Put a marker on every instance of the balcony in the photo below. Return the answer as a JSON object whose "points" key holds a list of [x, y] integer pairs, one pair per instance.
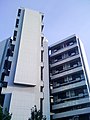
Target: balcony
{"points": [[67, 87], [68, 81], [72, 113], [57, 62], [70, 98], [66, 67], [64, 56], [58, 51], [70, 103], [61, 74]]}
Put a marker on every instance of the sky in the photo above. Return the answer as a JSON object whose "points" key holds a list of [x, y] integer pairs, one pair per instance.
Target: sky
{"points": [[62, 19]]}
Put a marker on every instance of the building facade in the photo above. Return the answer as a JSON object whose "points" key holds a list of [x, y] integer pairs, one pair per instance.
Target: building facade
{"points": [[24, 67], [69, 80]]}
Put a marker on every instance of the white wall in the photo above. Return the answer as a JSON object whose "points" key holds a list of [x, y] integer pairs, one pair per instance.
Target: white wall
{"points": [[28, 63], [46, 102]]}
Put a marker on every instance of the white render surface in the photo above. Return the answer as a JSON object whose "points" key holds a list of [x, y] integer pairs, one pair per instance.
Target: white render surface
{"points": [[28, 63], [46, 110], [21, 103]]}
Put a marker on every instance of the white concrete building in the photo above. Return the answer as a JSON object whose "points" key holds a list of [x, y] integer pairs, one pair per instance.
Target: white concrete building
{"points": [[27, 84]]}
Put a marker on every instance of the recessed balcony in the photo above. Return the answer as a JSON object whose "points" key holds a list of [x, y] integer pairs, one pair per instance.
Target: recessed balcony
{"points": [[72, 113], [70, 86], [64, 56], [58, 51], [71, 81], [61, 74], [70, 103], [57, 62], [66, 67], [70, 96]]}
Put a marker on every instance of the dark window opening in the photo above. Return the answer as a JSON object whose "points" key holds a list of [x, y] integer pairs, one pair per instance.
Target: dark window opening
{"points": [[42, 41], [7, 64], [41, 73], [9, 53], [2, 76], [19, 11], [6, 72], [42, 26], [42, 17], [12, 47], [17, 22], [10, 40], [41, 56], [41, 88], [41, 105], [14, 38], [4, 84], [15, 34], [2, 96]]}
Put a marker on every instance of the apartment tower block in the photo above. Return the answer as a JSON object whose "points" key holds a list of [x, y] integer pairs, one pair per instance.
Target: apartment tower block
{"points": [[69, 80]]}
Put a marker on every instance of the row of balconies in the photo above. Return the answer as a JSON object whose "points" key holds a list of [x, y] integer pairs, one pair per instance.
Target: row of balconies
{"points": [[70, 103], [73, 114], [64, 61], [81, 95], [67, 88], [70, 95], [66, 73], [63, 50], [64, 45], [72, 107], [66, 67], [74, 76], [58, 84], [63, 56]]}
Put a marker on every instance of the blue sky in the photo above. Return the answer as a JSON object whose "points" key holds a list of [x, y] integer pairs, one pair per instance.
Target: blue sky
{"points": [[62, 18]]}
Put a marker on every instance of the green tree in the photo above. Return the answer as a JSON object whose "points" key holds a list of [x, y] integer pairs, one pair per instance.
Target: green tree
{"points": [[1, 113], [36, 114], [6, 115]]}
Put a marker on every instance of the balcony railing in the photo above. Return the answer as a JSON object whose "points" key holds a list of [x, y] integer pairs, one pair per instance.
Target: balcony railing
{"points": [[64, 57], [80, 95], [68, 82], [63, 47], [65, 69]]}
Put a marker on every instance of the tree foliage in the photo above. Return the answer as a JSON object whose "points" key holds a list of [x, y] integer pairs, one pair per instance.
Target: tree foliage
{"points": [[36, 114], [6, 115]]}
